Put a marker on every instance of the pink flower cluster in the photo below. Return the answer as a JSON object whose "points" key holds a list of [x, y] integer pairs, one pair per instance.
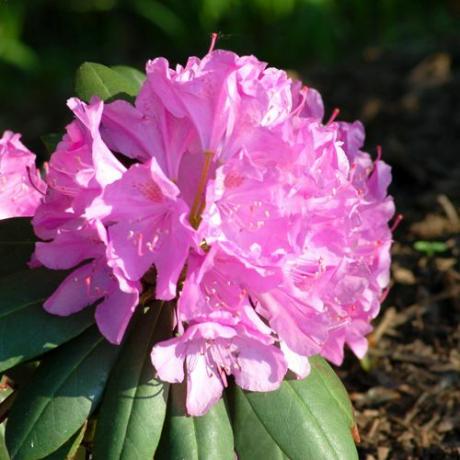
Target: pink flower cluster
{"points": [[222, 188]]}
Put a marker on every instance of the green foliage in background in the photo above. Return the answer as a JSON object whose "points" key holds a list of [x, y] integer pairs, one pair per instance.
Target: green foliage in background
{"points": [[42, 42], [286, 31]]}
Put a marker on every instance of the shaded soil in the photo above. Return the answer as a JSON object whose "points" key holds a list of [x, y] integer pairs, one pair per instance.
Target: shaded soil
{"points": [[406, 392]]}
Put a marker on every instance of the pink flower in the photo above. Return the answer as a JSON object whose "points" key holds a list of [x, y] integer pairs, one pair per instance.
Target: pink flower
{"points": [[214, 348], [69, 218], [21, 187], [222, 189], [243, 213], [149, 227], [221, 282], [79, 169]]}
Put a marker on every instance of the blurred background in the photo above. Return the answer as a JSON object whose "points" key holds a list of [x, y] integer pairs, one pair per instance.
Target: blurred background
{"points": [[394, 64], [42, 42]]}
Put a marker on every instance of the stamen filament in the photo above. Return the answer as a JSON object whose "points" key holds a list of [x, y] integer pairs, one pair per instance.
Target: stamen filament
{"points": [[198, 202], [335, 114], [396, 222]]}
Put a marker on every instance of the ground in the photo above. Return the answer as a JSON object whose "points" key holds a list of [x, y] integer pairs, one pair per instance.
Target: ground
{"points": [[406, 393]]}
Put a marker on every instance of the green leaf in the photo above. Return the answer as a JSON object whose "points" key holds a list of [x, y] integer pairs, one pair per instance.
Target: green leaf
{"points": [[252, 440], [70, 448], [134, 406], [4, 393], [208, 437], [136, 76], [305, 419], [26, 329], [99, 80], [431, 247], [61, 395], [3, 452], [51, 141], [16, 244]]}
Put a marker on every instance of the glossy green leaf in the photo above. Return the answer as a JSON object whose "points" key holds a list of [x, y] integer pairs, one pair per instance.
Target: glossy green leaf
{"points": [[136, 76], [208, 437], [305, 419], [99, 80], [26, 329], [134, 406], [70, 448], [60, 397], [3, 452], [252, 440], [16, 244]]}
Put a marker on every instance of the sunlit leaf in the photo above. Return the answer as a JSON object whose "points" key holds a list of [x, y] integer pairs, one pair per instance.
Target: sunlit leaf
{"points": [[131, 73], [99, 80], [208, 437], [305, 419], [134, 405]]}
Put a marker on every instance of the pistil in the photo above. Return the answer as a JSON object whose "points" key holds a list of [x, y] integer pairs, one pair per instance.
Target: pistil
{"points": [[199, 202]]}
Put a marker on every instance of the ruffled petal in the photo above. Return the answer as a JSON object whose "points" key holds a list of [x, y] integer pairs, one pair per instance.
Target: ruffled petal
{"points": [[260, 367]]}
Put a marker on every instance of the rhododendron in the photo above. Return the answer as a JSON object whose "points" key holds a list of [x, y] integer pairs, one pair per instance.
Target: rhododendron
{"points": [[221, 188], [70, 220], [214, 347], [21, 187]]}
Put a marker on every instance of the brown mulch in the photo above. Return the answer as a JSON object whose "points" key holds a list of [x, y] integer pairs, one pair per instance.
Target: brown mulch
{"points": [[406, 392]]}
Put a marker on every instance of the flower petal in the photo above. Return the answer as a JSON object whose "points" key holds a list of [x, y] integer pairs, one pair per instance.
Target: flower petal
{"points": [[168, 359], [261, 367], [204, 385], [114, 313]]}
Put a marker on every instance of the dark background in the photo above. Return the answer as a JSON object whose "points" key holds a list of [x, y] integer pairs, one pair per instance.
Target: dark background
{"points": [[395, 64], [42, 42]]}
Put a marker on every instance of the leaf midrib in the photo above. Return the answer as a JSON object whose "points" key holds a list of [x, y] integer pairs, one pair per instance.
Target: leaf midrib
{"points": [[336, 399], [20, 307], [318, 424], [197, 447], [104, 86], [263, 424]]}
